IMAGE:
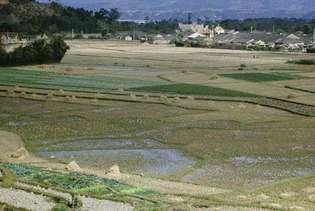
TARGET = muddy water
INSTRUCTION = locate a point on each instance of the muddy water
(142, 156)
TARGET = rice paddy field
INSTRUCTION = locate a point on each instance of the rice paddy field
(263, 156)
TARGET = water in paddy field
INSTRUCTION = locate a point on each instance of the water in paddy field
(145, 156)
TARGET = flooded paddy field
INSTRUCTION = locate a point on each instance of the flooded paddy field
(221, 144)
(231, 145)
(146, 156)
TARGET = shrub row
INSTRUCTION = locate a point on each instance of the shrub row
(303, 61)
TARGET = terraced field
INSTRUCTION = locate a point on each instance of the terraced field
(164, 113)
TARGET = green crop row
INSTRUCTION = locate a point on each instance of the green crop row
(193, 89)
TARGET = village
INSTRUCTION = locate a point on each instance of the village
(192, 35)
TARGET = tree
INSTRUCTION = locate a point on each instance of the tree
(108, 16)
(3, 55)
(59, 48)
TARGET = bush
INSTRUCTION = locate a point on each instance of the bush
(197, 43)
(61, 207)
(303, 61)
(78, 36)
(8, 178)
(310, 50)
(179, 42)
(37, 52)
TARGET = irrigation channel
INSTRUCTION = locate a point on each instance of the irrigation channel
(97, 98)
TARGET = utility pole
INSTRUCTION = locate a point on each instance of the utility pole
(134, 31)
(189, 18)
(314, 35)
(273, 28)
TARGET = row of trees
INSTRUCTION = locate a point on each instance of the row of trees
(37, 52)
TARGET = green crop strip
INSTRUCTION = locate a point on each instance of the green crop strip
(193, 89)
(261, 77)
(41, 79)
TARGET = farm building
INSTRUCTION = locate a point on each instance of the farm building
(160, 40)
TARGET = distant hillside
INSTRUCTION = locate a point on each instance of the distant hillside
(32, 17)
(214, 9)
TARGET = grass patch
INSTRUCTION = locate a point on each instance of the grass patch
(41, 79)
(7, 207)
(261, 77)
(61, 207)
(7, 178)
(193, 89)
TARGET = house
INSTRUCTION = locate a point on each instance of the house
(241, 40)
(160, 40)
(260, 43)
(293, 37)
(292, 42)
(197, 28)
(219, 30)
(4, 39)
(128, 38)
(196, 35)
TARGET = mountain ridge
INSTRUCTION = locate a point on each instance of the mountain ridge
(216, 9)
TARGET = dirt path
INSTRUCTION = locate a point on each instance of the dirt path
(103, 205)
(23, 199)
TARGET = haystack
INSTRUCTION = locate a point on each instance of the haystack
(73, 166)
(114, 170)
(21, 153)
(214, 77)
